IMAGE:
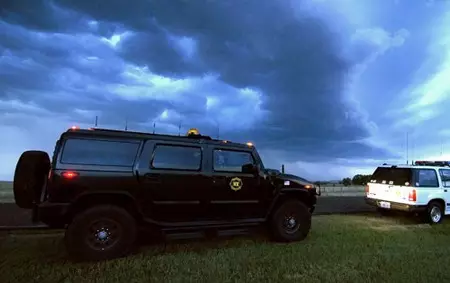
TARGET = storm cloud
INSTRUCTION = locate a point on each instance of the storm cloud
(277, 73)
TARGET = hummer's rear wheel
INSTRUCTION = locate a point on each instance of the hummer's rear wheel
(100, 233)
(30, 177)
(291, 222)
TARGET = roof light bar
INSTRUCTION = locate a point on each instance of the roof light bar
(432, 163)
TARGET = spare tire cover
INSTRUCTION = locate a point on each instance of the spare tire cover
(29, 177)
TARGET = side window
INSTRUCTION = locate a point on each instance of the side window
(426, 178)
(231, 161)
(445, 177)
(99, 152)
(177, 157)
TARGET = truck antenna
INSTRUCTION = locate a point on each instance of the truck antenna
(407, 148)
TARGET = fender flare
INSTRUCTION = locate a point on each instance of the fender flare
(282, 193)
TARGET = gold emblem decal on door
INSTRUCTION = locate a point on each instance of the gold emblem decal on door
(236, 184)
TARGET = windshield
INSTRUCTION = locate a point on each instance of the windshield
(392, 176)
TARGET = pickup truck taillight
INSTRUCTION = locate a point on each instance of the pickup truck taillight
(367, 189)
(412, 195)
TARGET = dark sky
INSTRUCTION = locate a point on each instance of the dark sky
(328, 88)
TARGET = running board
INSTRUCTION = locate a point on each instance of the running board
(210, 233)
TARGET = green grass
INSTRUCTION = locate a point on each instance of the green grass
(338, 249)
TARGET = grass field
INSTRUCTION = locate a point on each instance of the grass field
(339, 249)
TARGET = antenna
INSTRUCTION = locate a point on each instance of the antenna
(179, 129)
(407, 148)
(96, 121)
(126, 123)
(154, 125)
(218, 131)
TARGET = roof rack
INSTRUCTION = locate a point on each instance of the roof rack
(432, 163)
(190, 136)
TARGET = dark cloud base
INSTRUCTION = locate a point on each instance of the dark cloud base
(290, 57)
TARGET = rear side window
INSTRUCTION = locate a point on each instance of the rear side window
(231, 161)
(177, 157)
(392, 176)
(445, 177)
(99, 152)
(426, 178)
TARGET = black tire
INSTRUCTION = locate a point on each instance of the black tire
(30, 177)
(284, 231)
(83, 236)
(435, 212)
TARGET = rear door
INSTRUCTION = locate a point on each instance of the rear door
(172, 181)
(391, 184)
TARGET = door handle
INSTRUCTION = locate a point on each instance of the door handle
(152, 177)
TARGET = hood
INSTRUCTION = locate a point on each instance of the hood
(293, 179)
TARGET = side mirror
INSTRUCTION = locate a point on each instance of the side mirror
(249, 168)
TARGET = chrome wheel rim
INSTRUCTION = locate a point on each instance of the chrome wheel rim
(291, 224)
(103, 234)
(435, 214)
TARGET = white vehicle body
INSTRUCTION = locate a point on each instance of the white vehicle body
(410, 187)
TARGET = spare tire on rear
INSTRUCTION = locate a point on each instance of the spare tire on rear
(30, 176)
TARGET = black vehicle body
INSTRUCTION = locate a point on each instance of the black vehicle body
(165, 198)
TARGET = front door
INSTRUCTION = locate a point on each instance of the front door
(173, 184)
(235, 195)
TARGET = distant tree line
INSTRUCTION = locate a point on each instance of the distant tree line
(357, 180)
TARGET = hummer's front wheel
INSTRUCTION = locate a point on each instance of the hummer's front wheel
(291, 222)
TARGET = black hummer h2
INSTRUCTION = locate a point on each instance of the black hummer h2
(104, 184)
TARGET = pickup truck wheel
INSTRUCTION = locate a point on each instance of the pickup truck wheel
(30, 177)
(291, 222)
(435, 212)
(100, 233)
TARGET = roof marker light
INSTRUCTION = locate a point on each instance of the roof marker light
(74, 128)
(250, 144)
(193, 131)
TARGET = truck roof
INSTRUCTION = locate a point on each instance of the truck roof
(99, 132)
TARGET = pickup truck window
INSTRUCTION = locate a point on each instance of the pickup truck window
(99, 152)
(177, 157)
